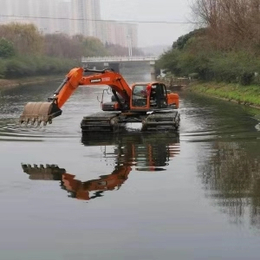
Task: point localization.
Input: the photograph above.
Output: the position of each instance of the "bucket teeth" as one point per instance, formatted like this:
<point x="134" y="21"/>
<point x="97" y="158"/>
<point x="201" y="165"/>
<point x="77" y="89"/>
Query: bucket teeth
<point x="41" y="172"/>
<point x="39" y="122"/>
<point x="33" y="121"/>
<point x="38" y="112"/>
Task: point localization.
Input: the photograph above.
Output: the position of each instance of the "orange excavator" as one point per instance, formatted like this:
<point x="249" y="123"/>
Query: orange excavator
<point x="148" y="103"/>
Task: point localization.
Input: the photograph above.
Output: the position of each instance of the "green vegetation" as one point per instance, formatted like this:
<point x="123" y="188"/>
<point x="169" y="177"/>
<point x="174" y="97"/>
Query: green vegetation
<point x="224" y="52"/>
<point x="6" y="49"/>
<point x="25" y="52"/>
<point x="247" y="95"/>
<point x="195" y="57"/>
<point x="34" y="65"/>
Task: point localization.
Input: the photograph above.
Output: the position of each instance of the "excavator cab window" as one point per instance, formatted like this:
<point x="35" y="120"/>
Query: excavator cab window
<point x="158" y="96"/>
<point x="139" y="96"/>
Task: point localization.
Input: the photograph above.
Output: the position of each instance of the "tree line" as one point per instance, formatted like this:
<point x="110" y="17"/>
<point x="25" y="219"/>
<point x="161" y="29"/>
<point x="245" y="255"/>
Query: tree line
<point x="225" y="47"/>
<point x="25" y="51"/>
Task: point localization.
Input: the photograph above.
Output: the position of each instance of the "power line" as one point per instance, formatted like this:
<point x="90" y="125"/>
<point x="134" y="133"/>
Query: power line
<point x="96" y="20"/>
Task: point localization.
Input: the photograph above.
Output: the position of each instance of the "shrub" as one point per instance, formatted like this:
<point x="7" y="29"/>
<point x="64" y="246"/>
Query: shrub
<point x="7" y="49"/>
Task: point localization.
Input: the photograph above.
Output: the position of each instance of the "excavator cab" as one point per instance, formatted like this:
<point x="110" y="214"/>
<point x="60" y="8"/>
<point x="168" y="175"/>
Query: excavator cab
<point x="147" y="96"/>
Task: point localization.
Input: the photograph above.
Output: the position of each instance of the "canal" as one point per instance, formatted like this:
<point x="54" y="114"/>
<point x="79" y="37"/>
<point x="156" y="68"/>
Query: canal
<point x="188" y="195"/>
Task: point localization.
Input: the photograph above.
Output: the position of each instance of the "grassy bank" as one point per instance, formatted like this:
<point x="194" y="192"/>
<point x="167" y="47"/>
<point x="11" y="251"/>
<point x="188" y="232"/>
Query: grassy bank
<point x="246" y="95"/>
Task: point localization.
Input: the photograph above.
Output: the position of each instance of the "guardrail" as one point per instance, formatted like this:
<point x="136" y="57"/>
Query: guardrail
<point x="118" y="59"/>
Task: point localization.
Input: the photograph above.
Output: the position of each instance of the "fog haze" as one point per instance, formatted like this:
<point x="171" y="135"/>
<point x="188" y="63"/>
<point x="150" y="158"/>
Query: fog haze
<point x="160" y="22"/>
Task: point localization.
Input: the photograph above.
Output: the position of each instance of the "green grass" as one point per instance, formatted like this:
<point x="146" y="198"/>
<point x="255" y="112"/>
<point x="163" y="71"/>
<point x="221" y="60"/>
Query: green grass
<point x="248" y="95"/>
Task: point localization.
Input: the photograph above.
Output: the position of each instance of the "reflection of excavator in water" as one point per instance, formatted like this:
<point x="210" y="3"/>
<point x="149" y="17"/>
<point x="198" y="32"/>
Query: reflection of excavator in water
<point x="148" y="103"/>
<point x="76" y="188"/>
<point x="136" y="150"/>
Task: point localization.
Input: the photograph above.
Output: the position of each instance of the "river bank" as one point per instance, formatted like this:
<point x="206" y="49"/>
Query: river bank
<point x="13" y="83"/>
<point x="244" y="95"/>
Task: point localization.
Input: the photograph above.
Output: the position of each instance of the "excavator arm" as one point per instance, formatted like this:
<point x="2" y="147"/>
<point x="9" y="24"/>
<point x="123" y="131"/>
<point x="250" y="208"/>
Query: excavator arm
<point x="46" y="111"/>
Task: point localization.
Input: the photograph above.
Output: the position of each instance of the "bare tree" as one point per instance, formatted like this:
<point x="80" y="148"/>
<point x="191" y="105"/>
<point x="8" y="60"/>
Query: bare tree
<point x="63" y="46"/>
<point x="231" y="23"/>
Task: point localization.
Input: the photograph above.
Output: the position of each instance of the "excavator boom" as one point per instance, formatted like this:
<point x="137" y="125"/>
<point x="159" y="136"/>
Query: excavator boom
<point x="45" y="111"/>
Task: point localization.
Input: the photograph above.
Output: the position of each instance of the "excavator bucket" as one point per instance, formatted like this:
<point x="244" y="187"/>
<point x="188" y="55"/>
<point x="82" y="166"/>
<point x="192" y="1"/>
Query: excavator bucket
<point x="37" y="112"/>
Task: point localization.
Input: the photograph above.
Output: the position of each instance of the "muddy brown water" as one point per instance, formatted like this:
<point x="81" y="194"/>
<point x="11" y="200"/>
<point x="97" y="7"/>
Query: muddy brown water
<point x="191" y="195"/>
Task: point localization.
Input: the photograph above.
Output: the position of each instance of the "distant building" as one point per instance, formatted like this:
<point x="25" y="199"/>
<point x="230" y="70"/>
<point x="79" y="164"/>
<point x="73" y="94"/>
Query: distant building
<point x="63" y="13"/>
<point x="42" y="13"/>
<point x="85" y="15"/>
<point x="69" y="16"/>
<point x="123" y="34"/>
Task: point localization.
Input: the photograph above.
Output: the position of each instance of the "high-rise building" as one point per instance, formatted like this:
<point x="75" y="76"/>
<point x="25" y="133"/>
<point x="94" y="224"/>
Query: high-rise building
<point x="44" y="15"/>
<point x="85" y="16"/>
<point x="62" y="14"/>
<point x="14" y="10"/>
<point x="70" y="17"/>
<point x="123" y="34"/>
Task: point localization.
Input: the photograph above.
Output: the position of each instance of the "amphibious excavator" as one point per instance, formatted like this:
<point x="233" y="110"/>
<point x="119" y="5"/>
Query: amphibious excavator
<point x="149" y="103"/>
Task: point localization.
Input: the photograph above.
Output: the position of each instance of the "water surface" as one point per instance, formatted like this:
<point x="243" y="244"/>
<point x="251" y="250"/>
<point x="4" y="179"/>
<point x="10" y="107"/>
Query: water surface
<point x="188" y="195"/>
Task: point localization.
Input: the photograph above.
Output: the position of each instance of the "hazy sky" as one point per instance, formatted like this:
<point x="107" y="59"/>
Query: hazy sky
<point x="171" y="11"/>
